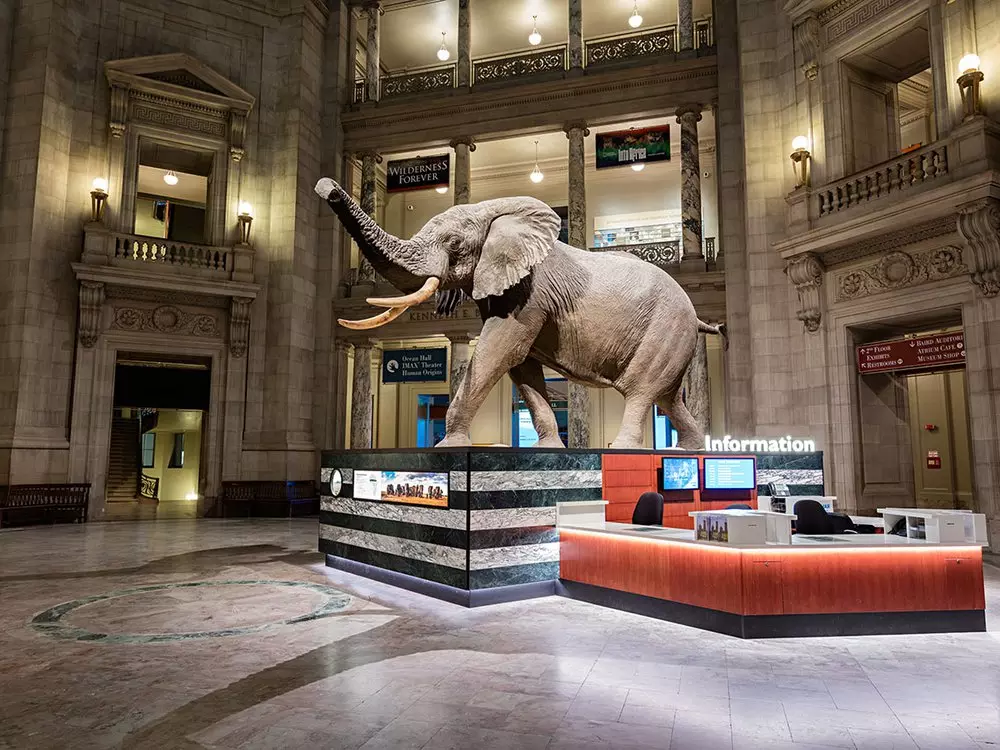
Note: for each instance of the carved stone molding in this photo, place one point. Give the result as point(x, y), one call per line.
point(898, 239)
point(167, 319)
point(176, 120)
point(465, 140)
point(239, 326)
point(979, 225)
point(898, 270)
point(91, 303)
point(806, 273)
point(847, 16)
point(576, 125)
point(806, 36)
point(119, 110)
point(237, 135)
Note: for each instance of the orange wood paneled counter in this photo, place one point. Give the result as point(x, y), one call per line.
point(872, 584)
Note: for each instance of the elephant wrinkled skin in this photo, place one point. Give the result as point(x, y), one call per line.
point(603, 319)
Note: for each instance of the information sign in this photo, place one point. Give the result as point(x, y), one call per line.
point(935, 352)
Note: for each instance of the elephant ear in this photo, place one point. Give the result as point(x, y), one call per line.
point(516, 243)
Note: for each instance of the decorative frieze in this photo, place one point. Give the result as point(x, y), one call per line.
point(847, 16)
point(166, 118)
point(91, 303)
point(979, 225)
point(806, 273)
point(898, 270)
point(167, 319)
point(239, 326)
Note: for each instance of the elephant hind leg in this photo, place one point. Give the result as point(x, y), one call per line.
point(634, 419)
point(530, 381)
point(689, 434)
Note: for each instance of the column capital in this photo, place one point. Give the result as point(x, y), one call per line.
point(372, 5)
point(689, 110)
point(341, 346)
point(463, 140)
point(368, 154)
point(576, 125)
point(460, 337)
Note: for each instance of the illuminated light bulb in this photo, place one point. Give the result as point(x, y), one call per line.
point(968, 64)
point(442, 189)
point(638, 166)
point(100, 185)
point(170, 178)
point(635, 20)
point(800, 143)
point(443, 53)
point(536, 175)
point(534, 38)
point(244, 209)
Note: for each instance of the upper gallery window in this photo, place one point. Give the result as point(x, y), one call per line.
point(172, 192)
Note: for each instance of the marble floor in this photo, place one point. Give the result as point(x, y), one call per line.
point(232, 634)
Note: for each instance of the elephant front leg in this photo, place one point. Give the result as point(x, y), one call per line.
point(503, 344)
point(530, 381)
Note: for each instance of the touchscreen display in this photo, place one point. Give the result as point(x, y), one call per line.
point(680, 473)
point(730, 474)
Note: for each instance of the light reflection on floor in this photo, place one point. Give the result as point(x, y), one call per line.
point(393, 669)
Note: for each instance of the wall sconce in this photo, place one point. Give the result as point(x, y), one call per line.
point(800, 158)
point(98, 198)
point(968, 83)
point(245, 217)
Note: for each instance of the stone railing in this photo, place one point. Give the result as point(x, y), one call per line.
point(905, 172)
point(360, 91)
point(622, 47)
point(140, 249)
point(518, 65)
point(704, 33)
point(418, 81)
point(660, 254)
point(710, 251)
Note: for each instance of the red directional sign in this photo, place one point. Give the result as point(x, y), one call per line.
point(940, 351)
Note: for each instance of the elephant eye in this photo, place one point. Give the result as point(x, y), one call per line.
point(454, 242)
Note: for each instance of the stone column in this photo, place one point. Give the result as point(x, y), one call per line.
point(685, 25)
point(464, 44)
point(372, 72)
point(361, 397)
point(369, 203)
point(575, 34)
point(338, 397)
point(459, 362)
point(463, 168)
point(699, 396)
point(689, 117)
point(579, 396)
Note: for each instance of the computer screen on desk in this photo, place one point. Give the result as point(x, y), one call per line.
point(730, 474)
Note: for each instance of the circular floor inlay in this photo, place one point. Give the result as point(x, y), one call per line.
point(182, 611)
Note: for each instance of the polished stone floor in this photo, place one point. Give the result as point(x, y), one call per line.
point(232, 634)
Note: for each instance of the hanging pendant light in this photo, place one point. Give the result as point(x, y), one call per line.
point(534, 38)
point(635, 20)
point(442, 189)
point(536, 175)
point(638, 166)
point(170, 178)
point(443, 53)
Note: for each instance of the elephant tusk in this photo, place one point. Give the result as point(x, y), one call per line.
point(422, 295)
point(375, 321)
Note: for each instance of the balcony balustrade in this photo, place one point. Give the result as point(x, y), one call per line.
point(602, 51)
point(903, 173)
point(139, 249)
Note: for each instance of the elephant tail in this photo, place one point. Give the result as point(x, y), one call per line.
point(719, 330)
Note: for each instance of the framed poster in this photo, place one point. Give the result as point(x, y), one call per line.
point(623, 147)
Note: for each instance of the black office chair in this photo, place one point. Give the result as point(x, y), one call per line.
point(811, 518)
point(738, 506)
point(649, 510)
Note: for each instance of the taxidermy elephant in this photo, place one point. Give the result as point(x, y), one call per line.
point(604, 319)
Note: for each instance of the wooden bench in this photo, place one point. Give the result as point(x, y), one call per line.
point(45, 501)
point(270, 498)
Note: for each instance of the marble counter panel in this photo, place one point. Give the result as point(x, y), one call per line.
point(511, 518)
point(451, 557)
point(484, 481)
point(500, 557)
point(445, 518)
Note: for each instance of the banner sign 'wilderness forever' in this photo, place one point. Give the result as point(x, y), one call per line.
point(418, 173)
point(623, 147)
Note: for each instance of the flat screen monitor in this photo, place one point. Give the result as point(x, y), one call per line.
point(680, 473)
point(409, 487)
point(730, 474)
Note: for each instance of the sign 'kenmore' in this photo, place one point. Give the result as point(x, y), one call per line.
point(919, 353)
point(415, 366)
point(419, 173)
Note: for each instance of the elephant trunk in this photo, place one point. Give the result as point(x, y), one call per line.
point(397, 260)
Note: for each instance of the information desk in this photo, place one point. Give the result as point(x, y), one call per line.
point(816, 585)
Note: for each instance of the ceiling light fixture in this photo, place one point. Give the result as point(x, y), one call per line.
point(443, 53)
point(638, 166)
point(170, 178)
point(534, 38)
point(635, 20)
point(536, 175)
